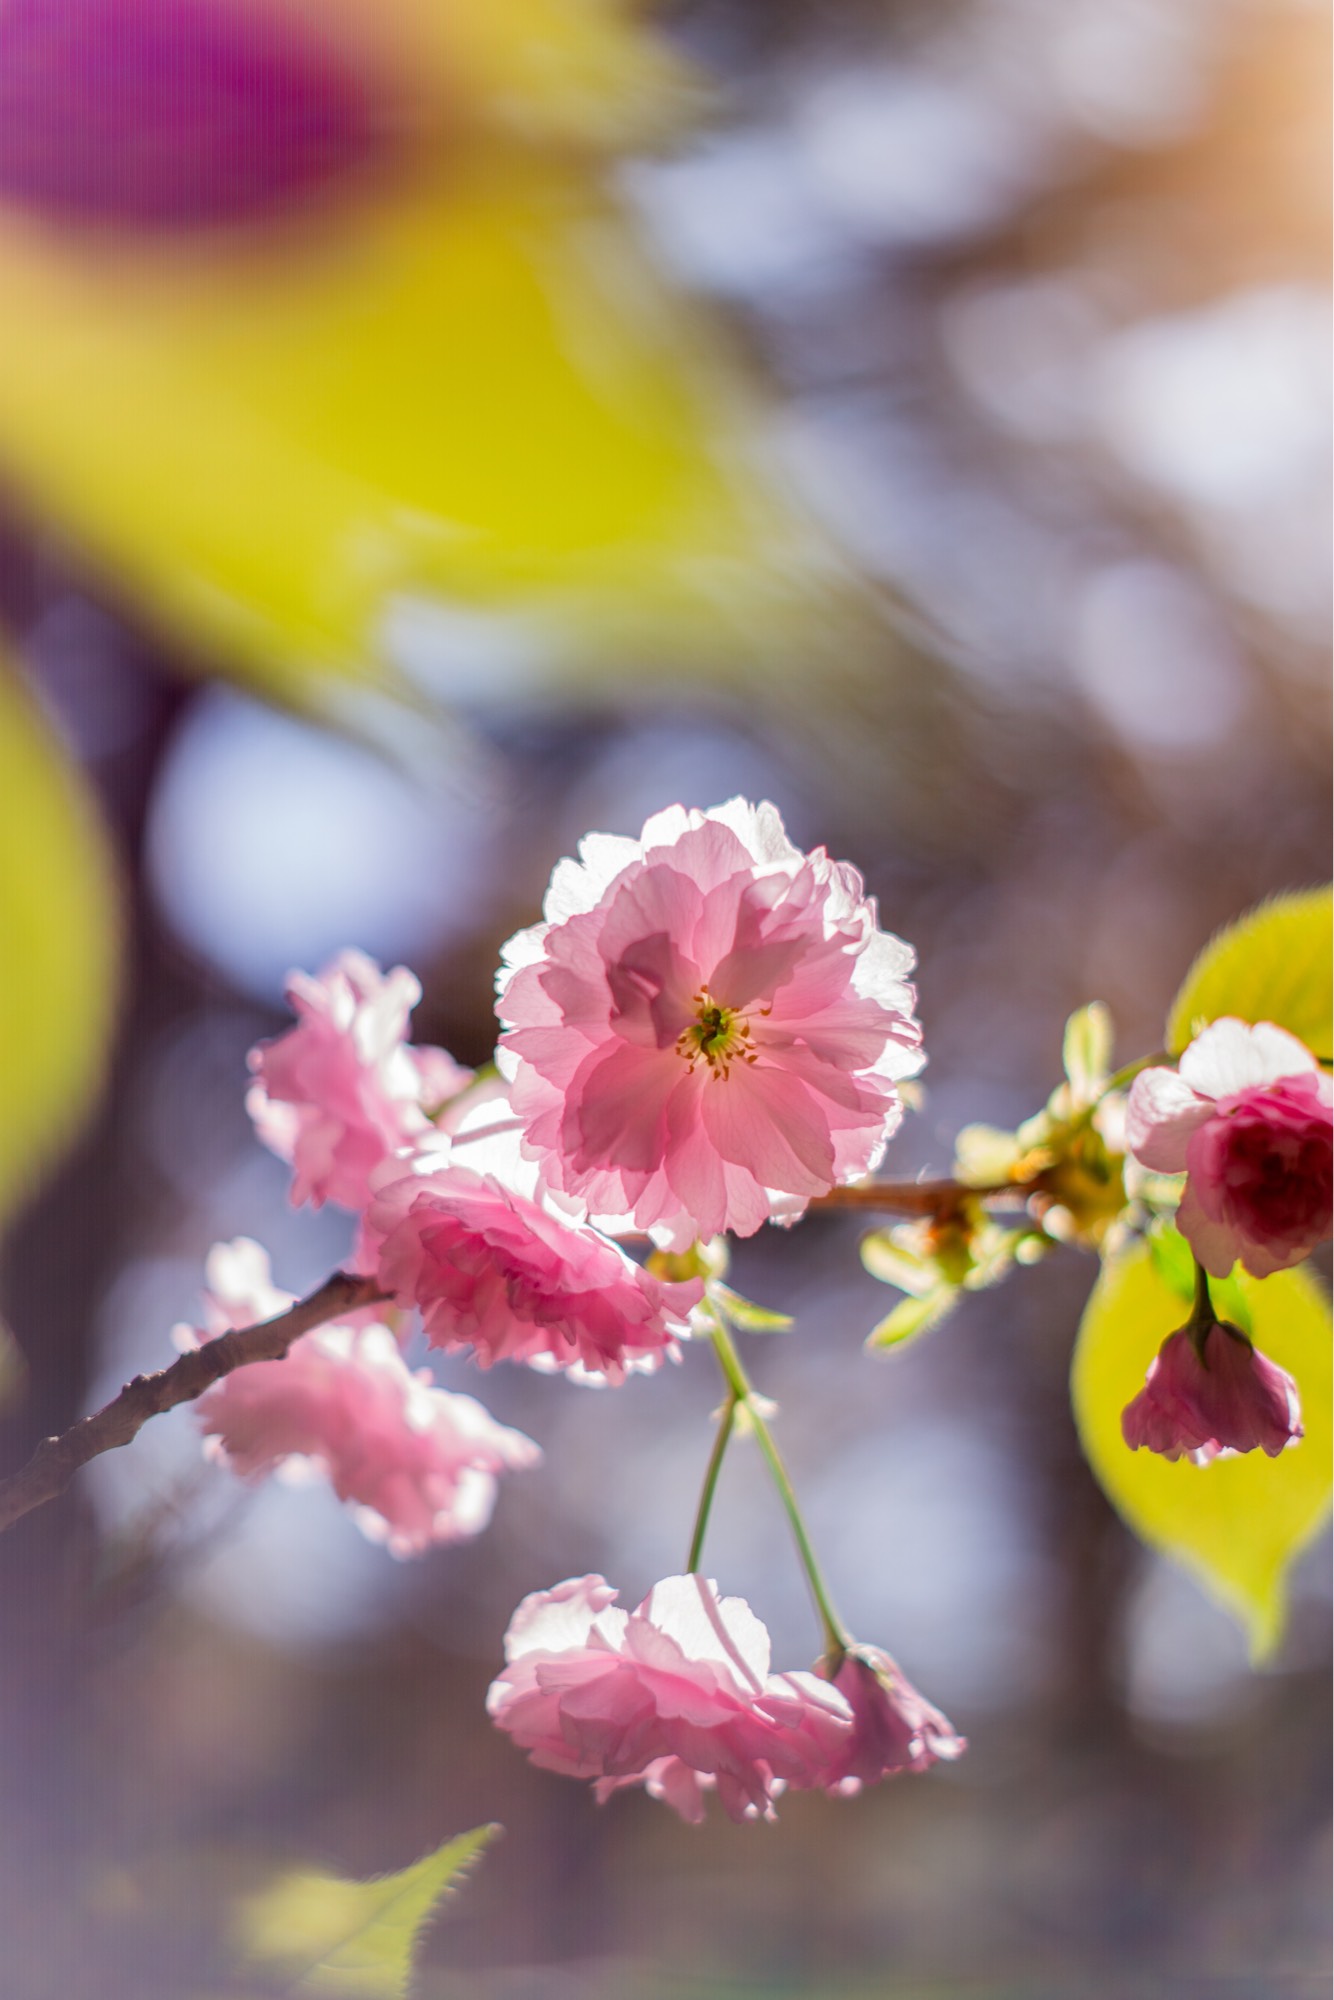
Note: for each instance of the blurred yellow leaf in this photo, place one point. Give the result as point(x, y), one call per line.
point(585, 71)
point(1274, 964)
point(322, 1934)
point(1238, 1523)
point(470, 386)
point(59, 937)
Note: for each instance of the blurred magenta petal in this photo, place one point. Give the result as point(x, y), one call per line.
point(174, 114)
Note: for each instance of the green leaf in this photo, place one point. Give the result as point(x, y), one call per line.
point(745, 1314)
point(911, 1318)
point(1274, 964)
point(1087, 1052)
point(1237, 1524)
point(890, 1261)
point(326, 1935)
point(59, 945)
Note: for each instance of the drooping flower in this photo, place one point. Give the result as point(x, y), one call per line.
point(676, 1696)
point(1249, 1117)
point(894, 1727)
point(1209, 1390)
point(416, 1464)
point(708, 1027)
point(462, 1232)
point(343, 1090)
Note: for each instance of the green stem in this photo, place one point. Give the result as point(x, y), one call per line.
point(743, 1396)
point(726, 1418)
point(1204, 1305)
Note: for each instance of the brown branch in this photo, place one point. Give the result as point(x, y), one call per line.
point(937, 1199)
point(57, 1459)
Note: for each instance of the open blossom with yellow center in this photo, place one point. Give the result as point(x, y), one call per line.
point(710, 951)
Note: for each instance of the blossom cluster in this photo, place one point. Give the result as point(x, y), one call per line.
point(707, 1030)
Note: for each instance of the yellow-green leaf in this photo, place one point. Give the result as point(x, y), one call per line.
point(744, 1313)
point(1087, 1052)
point(1238, 1523)
point(1274, 964)
point(911, 1318)
point(326, 1935)
point(472, 389)
point(894, 1264)
point(59, 944)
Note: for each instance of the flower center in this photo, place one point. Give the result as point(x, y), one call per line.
point(720, 1035)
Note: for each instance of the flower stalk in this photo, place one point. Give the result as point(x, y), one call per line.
point(726, 1419)
point(742, 1396)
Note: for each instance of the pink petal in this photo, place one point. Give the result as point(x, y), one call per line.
point(1162, 1112)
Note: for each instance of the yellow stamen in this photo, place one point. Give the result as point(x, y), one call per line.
point(718, 1034)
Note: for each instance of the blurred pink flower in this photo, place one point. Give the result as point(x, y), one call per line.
point(416, 1464)
point(1249, 1117)
point(158, 115)
point(708, 1027)
point(461, 1232)
point(343, 1091)
point(675, 1696)
point(1222, 1395)
point(894, 1727)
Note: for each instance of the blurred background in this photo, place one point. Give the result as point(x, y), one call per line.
point(431, 431)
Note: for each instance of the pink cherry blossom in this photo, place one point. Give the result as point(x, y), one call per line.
point(676, 1696)
point(1223, 1395)
point(343, 1091)
point(416, 1464)
point(462, 1232)
point(708, 1027)
point(1249, 1118)
point(894, 1727)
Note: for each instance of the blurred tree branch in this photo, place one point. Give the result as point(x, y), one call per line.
point(57, 1459)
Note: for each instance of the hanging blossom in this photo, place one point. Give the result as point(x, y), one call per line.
point(462, 1231)
point(1249, 1118)
point(894, 1728)
point(677, 1696)
point(343, 1090)
point(415, 1464)
point(708, 1027)
point(1209, 1391)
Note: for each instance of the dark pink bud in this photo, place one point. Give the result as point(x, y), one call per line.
point(1222, 1396)
point(894, 1727)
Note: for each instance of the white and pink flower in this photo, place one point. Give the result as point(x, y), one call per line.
point(708, 1028)
point(415, 1464)
point(1249, 1118)
point(343, 1090)
point(1212, 1394)
point(463, 1232)
point(676, 1696)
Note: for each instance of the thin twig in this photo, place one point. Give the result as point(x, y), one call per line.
point(57, 1459)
